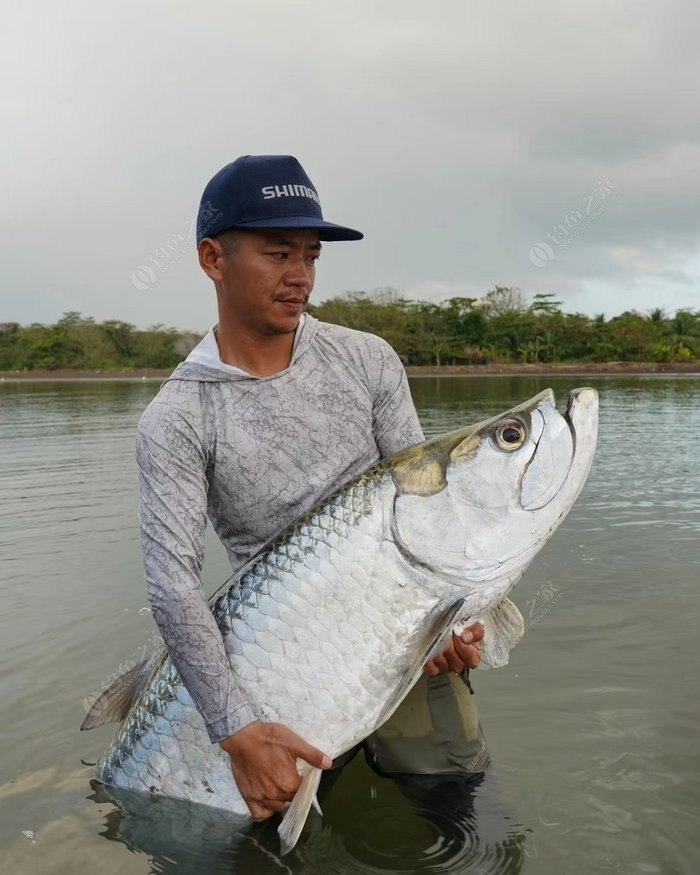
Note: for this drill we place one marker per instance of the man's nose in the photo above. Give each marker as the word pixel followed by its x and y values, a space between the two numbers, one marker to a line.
pixel 299 273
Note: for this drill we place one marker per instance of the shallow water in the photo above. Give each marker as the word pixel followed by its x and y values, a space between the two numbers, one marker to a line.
pixel 593 727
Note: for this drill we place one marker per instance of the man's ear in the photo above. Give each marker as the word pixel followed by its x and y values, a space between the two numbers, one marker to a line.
pixel 211 258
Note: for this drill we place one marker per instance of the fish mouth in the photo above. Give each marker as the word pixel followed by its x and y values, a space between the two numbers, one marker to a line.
pixel 581 404
pixel 586 396
pixel 558 440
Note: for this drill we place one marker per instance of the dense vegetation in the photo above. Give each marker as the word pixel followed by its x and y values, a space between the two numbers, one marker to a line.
pixel 80 343
pixel 500 327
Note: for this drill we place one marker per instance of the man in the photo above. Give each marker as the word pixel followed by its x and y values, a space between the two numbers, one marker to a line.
pixel 272 411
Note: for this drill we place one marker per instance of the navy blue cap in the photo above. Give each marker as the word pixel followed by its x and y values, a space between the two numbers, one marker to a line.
pixel 264 191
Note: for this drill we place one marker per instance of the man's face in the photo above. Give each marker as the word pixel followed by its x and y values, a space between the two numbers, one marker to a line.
pixel 267 277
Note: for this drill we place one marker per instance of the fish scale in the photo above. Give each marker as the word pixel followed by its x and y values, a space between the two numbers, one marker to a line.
pixel 328 628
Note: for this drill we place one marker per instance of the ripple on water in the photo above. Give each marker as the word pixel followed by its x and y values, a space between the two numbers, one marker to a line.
pixel 413 825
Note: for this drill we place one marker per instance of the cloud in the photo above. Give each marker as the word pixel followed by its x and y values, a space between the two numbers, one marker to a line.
pixel 457 138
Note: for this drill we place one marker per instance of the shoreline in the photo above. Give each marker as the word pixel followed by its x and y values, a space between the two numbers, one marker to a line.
pixel 493 369
pixel 563 368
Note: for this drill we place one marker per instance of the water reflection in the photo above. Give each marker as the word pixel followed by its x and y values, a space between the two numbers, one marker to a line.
pixel 371 825
pixel 177 836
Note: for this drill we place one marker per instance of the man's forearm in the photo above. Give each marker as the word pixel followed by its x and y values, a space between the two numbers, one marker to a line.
pixel 196 648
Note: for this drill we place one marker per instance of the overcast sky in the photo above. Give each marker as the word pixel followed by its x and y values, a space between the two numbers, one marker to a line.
pixel 553 146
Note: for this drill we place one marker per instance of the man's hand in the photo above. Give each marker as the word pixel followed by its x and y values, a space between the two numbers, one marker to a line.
pixel 463 652
pixel 264 765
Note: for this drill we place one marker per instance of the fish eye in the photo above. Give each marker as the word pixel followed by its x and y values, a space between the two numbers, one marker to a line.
pixel 510 434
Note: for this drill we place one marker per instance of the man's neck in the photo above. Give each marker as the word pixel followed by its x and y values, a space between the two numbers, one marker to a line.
pixel 256 355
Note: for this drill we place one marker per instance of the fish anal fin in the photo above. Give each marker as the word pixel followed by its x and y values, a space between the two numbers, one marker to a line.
pixel 113 704
pixel 434 643
pixel 295 816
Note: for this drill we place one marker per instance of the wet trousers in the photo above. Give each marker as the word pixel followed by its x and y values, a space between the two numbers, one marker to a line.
pixel 435 731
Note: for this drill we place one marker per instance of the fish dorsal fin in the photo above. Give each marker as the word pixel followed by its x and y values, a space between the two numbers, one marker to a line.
pixel 503 628
pixel 113 704
pixel 434 643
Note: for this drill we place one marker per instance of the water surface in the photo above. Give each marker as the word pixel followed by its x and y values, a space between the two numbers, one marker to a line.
pixel 593 727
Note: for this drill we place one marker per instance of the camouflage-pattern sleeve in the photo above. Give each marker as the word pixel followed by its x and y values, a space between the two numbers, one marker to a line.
pixel 396 424
pixel 172 471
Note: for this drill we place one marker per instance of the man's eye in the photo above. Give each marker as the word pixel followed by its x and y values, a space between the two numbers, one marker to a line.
pixel 278 256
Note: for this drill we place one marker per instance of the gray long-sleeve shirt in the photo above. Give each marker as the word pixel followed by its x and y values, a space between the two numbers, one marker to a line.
pixel 252 454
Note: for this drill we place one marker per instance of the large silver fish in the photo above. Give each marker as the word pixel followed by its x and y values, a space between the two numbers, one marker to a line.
pixel 329 627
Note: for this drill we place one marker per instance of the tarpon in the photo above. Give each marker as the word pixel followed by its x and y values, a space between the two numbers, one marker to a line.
pixel 328 628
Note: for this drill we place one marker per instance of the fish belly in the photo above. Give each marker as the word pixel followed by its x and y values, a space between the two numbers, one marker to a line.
pixel 163 748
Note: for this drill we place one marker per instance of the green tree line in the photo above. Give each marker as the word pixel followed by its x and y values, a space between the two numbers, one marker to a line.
pixel 503 326
pixel 79 343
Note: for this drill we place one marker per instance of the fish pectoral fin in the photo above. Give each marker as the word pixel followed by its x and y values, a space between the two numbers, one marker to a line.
pixel 503 628
pixel 113 704
pixel 295 816
pixel 434 643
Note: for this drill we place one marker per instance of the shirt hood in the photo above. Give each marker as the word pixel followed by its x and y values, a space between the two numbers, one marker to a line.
pixel 193 369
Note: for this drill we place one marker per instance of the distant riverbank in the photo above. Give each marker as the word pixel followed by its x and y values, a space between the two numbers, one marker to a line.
pixel 556 368
pixel 411 370
pixel 69 374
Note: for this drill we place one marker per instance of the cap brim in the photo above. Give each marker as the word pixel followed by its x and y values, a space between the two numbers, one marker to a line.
pixel 326 230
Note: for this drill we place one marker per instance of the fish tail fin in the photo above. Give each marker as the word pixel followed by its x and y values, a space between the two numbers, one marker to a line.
pixel 295 816
pixel 113 704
